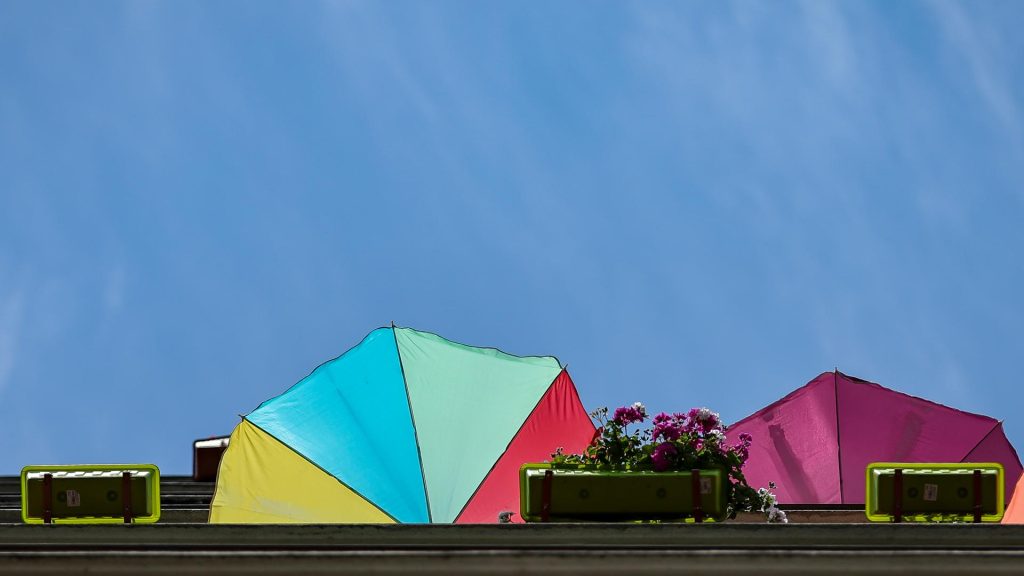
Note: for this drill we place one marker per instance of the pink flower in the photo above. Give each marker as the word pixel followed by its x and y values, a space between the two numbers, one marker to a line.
pixel 741 451
pixel 743 448
pixel 703 421
pixel 667 427
pixel 629 414
pixel 662 456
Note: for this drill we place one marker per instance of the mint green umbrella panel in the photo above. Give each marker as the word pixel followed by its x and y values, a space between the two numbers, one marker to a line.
pixel 475 399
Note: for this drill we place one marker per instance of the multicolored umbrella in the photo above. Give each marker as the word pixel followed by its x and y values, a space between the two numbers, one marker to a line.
pixel 816 443
pixel 404 427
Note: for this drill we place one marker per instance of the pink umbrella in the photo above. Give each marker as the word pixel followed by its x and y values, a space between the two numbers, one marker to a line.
pixel 816 443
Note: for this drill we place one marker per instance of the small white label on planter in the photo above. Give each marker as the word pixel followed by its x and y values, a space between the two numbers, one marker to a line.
pixel 931 492
pixel 74 498
pixel 706 484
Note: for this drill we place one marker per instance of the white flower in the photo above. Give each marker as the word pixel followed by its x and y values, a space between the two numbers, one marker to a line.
pixel 776 515
pixel 706 413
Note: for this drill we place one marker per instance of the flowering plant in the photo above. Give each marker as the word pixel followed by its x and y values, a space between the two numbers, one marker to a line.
pixel 676 442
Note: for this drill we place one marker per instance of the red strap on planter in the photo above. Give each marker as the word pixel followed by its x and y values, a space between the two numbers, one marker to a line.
pixel 897 496
pixel 698 510
pixel 47 498
pixel 545 503
pixel 977 496
pixel 126 496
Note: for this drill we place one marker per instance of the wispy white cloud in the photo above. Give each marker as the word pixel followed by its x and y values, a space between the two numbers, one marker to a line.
pixel 624 168
pixel 829 32
pixel 839 132
pixel 982 47
pixel 438 92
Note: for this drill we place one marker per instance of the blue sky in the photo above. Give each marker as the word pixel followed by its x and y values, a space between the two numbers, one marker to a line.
pixel 688 203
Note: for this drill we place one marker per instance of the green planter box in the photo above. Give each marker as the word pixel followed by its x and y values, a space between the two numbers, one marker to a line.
pixel 581 495
pixel 925 492
pixel 90 494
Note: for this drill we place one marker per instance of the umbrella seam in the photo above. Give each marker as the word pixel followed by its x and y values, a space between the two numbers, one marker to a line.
pixel 415 431
pixel 490 348
pixel 857 380
pixel 509 445
pixel 983 438
pixel 839 444
pixel 318 467
pixel 313 371
pixel 779 402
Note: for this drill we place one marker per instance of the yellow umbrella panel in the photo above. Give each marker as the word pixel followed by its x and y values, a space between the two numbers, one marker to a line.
pixel 268 482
